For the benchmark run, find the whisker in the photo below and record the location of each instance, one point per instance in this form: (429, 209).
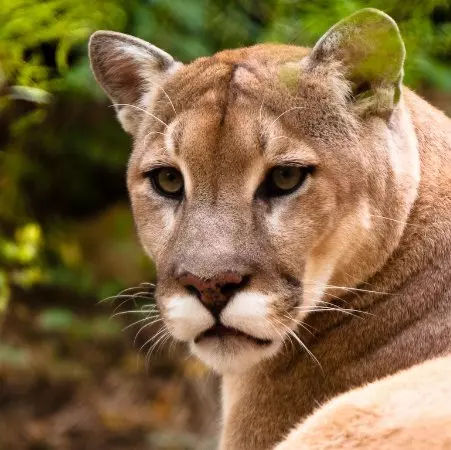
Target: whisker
(121, 294)
(296, 337)
(129, 296)
(163, 342)
(147, 283)
(292, 344)
(409, 224)
(299, 323)
(315, 309)
(345, 288)
(332, 296)
(158, 333)
(131, 311)
(280, 115)
(143, 110)
(172, 347)
(150, 351)
(165, 93)
(377, 216)
(139, 321)
(133, 298)
(280, 335)
(345, 309)
(153, 322)
(350, 289)
(358, 281)
(153, 132)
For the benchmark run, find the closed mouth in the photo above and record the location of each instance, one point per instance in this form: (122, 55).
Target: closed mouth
(220, 331)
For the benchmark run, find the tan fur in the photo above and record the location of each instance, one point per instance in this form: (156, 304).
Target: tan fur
(409, 410)
(369, 230)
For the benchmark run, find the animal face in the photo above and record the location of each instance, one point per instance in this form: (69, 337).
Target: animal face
(259, 177)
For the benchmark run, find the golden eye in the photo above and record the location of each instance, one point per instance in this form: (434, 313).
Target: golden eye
(286, 178)
(283, 180)
(167, 181)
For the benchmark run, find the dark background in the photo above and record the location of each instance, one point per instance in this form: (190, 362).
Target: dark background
(70, 378)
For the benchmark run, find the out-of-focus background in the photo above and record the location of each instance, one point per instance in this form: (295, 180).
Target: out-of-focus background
(71, 377)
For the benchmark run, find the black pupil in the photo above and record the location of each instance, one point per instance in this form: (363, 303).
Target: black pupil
(287, 172)
(170, 176)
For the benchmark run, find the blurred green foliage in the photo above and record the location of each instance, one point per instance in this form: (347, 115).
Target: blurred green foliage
(21, 256)
(62, 156)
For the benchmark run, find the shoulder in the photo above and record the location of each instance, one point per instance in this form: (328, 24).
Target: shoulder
(408, 410)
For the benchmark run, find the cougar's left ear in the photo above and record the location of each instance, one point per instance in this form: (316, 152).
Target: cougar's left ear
(370, 52)
(128, 69)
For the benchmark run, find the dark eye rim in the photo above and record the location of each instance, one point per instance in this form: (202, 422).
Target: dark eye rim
(152, 175)
(267, 189)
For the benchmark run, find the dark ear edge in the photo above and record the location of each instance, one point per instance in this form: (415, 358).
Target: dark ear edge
(127, 68)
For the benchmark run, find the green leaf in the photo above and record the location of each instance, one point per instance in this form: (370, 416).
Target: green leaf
(57, 319)
(4, 292)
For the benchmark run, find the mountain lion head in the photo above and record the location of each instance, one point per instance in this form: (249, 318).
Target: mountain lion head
(264, 180)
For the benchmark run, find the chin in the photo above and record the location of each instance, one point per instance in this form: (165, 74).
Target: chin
(232, 354)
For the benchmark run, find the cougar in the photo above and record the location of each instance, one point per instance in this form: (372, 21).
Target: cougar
(297, 205)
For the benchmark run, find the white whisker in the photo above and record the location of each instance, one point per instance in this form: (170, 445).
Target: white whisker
(133, 298)
(149, 352)
(143, 110)
(137, 295)
(165, 93)
(139, 321)
(158, 333)
(153, 322)
(296, 337)
(131, 311)
(314, 309)
(333, 305)
(345, 288)
(299, 323)
(279, 333)
(153, 132)
(280, 115)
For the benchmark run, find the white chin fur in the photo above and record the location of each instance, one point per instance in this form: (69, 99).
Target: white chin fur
(247, 312)
(236, 355)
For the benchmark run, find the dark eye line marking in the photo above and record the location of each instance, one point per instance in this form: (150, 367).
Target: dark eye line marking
(267, 191)
(156, 166)
(152, 175)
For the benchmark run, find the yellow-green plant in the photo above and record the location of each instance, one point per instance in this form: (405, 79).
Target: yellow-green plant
(19, 258)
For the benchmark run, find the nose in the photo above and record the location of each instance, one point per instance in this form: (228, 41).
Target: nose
(215, 292)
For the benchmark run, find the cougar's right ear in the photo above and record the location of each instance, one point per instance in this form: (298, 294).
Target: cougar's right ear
(371, 53)
(128, 69)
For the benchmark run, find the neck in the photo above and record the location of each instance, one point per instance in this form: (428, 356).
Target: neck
(406, 305)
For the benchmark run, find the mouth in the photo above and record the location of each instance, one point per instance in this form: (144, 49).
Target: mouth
(220, 331)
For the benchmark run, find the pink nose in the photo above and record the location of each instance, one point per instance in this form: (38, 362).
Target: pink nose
(215, 292)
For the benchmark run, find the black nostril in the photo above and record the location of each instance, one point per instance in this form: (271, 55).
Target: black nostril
(214, 292)
(229, 289)
(193, 290)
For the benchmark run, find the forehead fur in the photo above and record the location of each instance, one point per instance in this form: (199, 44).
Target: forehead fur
(217, 72)
(274, 79)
